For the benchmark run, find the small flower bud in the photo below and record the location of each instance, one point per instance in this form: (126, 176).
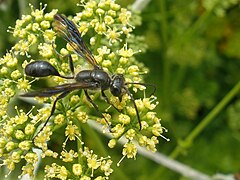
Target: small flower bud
(25, 145)
(112, 143)
(77, 169)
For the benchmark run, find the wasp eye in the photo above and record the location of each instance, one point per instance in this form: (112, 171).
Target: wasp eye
(116, 91)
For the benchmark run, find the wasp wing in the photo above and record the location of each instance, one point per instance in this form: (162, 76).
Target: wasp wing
(68, 30)
(47, 92)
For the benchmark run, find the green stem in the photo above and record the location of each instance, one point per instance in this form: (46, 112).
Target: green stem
(209, 118)
(22, 4)
(97, 44)
(79, 144)
(179, 76)
(178, 41)
(166, 62)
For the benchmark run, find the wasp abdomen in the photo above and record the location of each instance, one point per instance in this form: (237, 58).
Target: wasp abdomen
(40, 69)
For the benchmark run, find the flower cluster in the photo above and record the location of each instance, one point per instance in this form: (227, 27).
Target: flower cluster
(84, 170)
(113, 48)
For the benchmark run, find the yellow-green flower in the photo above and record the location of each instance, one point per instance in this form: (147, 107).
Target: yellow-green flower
(107, 30)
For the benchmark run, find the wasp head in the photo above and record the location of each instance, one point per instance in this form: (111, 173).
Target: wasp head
(117, 87)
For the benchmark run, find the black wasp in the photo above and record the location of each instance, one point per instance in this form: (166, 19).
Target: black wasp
(93, 79)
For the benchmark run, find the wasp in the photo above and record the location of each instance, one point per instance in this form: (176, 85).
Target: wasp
(92, 79)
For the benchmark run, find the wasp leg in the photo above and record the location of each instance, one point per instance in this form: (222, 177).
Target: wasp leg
(71, 66)
(108, 101)
(52, 110)
(135, 106)
(97, 109)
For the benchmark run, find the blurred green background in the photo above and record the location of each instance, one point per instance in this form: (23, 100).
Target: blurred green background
(194, 59)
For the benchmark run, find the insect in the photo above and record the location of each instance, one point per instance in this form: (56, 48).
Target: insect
(93, 79)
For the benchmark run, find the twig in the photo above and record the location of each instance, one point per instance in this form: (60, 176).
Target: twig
(161, 159)
(223, 177)
(139, 5)
(211, 116)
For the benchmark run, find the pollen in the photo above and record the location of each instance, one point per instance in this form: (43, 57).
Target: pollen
(140, 104)
(64, 51)
(112, 13)
(103, 50)
(148, 103)
(63, 173)
(114, 6)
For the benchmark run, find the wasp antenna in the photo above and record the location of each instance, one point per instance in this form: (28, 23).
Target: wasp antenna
(135, 106)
